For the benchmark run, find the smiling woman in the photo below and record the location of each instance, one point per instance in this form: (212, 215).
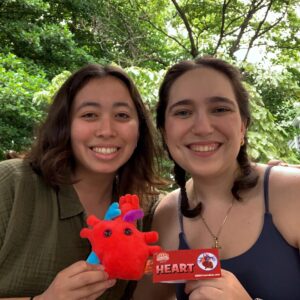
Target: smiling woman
(248, 211)
(196, 121)
(95, 145)
(104, 126)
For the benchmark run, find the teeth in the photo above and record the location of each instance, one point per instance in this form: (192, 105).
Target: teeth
(103, 150)
(203, 148)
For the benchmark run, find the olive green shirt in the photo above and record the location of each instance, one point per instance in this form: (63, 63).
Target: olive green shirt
(39, 232)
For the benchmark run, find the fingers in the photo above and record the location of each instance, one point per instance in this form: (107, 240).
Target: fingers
(79, 281)
(275, 162)
(212, 283)
(95, 290)
(225, 287)
(201, 285)
(79, 267)
(206, 293)
(88, 277)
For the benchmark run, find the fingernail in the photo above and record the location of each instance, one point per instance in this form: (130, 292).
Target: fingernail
(100, 267)
(111, 282)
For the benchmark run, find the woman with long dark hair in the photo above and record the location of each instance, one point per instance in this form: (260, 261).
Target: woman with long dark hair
(250, 212)
(95, 145)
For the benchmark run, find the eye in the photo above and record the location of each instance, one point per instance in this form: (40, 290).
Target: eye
(89, 116)
(127, 231)
(221, 109)
(122, 116)
(182, 113)
(107, 233)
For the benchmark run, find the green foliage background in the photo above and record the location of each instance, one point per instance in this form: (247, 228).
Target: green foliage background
(44, 41)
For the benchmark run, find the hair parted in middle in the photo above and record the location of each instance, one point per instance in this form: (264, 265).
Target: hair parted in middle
(52, 156)
(248, 177)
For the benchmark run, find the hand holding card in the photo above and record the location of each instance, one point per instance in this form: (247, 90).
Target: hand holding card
(225, 287)
(182, 265)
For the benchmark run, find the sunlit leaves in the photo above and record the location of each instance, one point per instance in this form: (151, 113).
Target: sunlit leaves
(19, 79)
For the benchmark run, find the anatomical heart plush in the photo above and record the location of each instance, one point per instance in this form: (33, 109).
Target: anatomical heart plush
(117, 243)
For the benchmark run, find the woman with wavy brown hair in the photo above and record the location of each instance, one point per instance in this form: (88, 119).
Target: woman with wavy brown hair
(96, 144)
(250, 212)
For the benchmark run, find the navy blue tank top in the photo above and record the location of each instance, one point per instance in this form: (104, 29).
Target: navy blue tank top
(270, 269)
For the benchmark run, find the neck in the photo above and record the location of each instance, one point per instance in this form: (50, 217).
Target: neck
(95, 192)
(216, 189)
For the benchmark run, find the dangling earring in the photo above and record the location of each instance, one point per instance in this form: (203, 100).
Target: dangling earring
(242, 141)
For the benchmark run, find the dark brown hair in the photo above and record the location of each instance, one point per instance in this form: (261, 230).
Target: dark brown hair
(52, 156)
(248, 176)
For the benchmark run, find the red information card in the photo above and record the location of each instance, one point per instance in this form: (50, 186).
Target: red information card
(182, 265)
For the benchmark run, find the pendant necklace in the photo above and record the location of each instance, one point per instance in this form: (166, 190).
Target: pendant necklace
(217, 235)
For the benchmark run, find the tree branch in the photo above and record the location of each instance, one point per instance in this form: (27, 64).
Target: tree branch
(165, 33)
(222, 29)
(259, 32)
(193, 51)
(254, 7)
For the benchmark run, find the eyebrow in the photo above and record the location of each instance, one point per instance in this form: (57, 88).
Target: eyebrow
(221, 99)
(96, 104)
(180, 102)
(214, 99)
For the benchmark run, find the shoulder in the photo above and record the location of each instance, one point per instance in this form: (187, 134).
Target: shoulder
(18, 180)
(11, 170)
(282, 178)
(165, 220)
(284, 201)
(13, 167)
(16, 172)
(167, 205)
(284, 182)
(10, 164)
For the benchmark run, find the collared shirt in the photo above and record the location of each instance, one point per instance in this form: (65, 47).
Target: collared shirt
(39, 232)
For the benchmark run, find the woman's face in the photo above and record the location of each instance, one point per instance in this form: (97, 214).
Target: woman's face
(203, 127)
(104, 126)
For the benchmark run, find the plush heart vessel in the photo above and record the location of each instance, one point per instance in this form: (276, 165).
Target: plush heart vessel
(117, 243)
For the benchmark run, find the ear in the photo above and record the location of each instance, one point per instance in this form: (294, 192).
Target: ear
(243, 127)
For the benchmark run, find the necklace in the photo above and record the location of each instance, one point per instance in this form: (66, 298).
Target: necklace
(217, 235)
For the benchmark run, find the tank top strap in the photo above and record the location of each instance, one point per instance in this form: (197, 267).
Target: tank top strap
(180, 218)
(266, 187)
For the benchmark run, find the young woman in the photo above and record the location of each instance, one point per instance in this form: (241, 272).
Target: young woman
(249, 211)
(95, 145)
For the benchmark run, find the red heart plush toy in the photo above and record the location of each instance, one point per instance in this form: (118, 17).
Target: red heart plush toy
(120, 246)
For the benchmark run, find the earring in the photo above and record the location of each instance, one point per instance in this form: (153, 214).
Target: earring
(242, 141)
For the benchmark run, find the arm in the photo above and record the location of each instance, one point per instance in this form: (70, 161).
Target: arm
(285, 202)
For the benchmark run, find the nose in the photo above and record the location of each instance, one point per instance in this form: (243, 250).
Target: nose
(202, 124)
(105, 127)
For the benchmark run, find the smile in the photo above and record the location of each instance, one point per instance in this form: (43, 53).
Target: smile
(204, 148)
(105, 150)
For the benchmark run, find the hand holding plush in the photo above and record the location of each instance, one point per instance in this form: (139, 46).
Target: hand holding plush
(120, 246)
